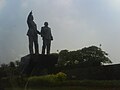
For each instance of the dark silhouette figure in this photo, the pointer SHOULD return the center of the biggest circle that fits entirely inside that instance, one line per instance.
(47, 37)
(32, 34)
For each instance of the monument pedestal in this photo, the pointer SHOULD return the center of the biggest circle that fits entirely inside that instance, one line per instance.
(38, 64)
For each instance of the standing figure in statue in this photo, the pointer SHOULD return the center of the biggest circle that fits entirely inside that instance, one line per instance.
(46, 37)
(32, 34)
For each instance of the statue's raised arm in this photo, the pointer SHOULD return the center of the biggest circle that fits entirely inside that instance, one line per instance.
(32, 34)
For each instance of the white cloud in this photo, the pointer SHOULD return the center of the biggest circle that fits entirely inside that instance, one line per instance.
(66, 3)
(115, 4)
(2, 4)
(24, 3)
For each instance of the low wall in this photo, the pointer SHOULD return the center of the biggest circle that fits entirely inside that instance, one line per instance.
(106, 72)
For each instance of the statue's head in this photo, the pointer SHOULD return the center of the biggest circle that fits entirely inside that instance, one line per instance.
(46, 23)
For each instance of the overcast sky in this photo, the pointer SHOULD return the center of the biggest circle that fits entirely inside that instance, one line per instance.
(75, 24)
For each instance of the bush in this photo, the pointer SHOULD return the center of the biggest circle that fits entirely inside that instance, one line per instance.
(61, 76)
(13, 81)
(47, 80)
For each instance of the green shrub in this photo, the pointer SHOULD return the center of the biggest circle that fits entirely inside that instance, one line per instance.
(61, 76)
(13, 81)
(47, 80)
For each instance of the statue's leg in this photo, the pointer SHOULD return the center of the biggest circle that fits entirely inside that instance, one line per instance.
(36, 45)
(30, 45)
(44, 46)
(48, 46)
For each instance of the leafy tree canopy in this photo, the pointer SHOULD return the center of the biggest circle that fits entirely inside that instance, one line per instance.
(89, 55)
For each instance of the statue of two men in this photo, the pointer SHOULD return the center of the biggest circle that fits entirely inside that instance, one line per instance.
(46, 37)
(33, 36)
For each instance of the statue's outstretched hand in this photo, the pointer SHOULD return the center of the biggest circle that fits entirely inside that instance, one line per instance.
(38, 32)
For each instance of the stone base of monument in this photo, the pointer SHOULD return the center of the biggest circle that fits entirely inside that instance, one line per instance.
(38, 64)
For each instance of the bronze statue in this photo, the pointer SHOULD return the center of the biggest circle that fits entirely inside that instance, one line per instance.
(46, 37)
(32, 34)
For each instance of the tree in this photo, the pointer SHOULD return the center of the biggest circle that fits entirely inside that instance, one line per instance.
(12, 64)
(95, 55)
(62, 59)
(17, 63)
(10, 69)
(92, 55)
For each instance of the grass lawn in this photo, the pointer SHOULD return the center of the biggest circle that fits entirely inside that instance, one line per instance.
(76, 88)
(77, 85)
(68, 88)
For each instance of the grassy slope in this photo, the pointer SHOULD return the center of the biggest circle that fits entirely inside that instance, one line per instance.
(80, 85)
(68, 88)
